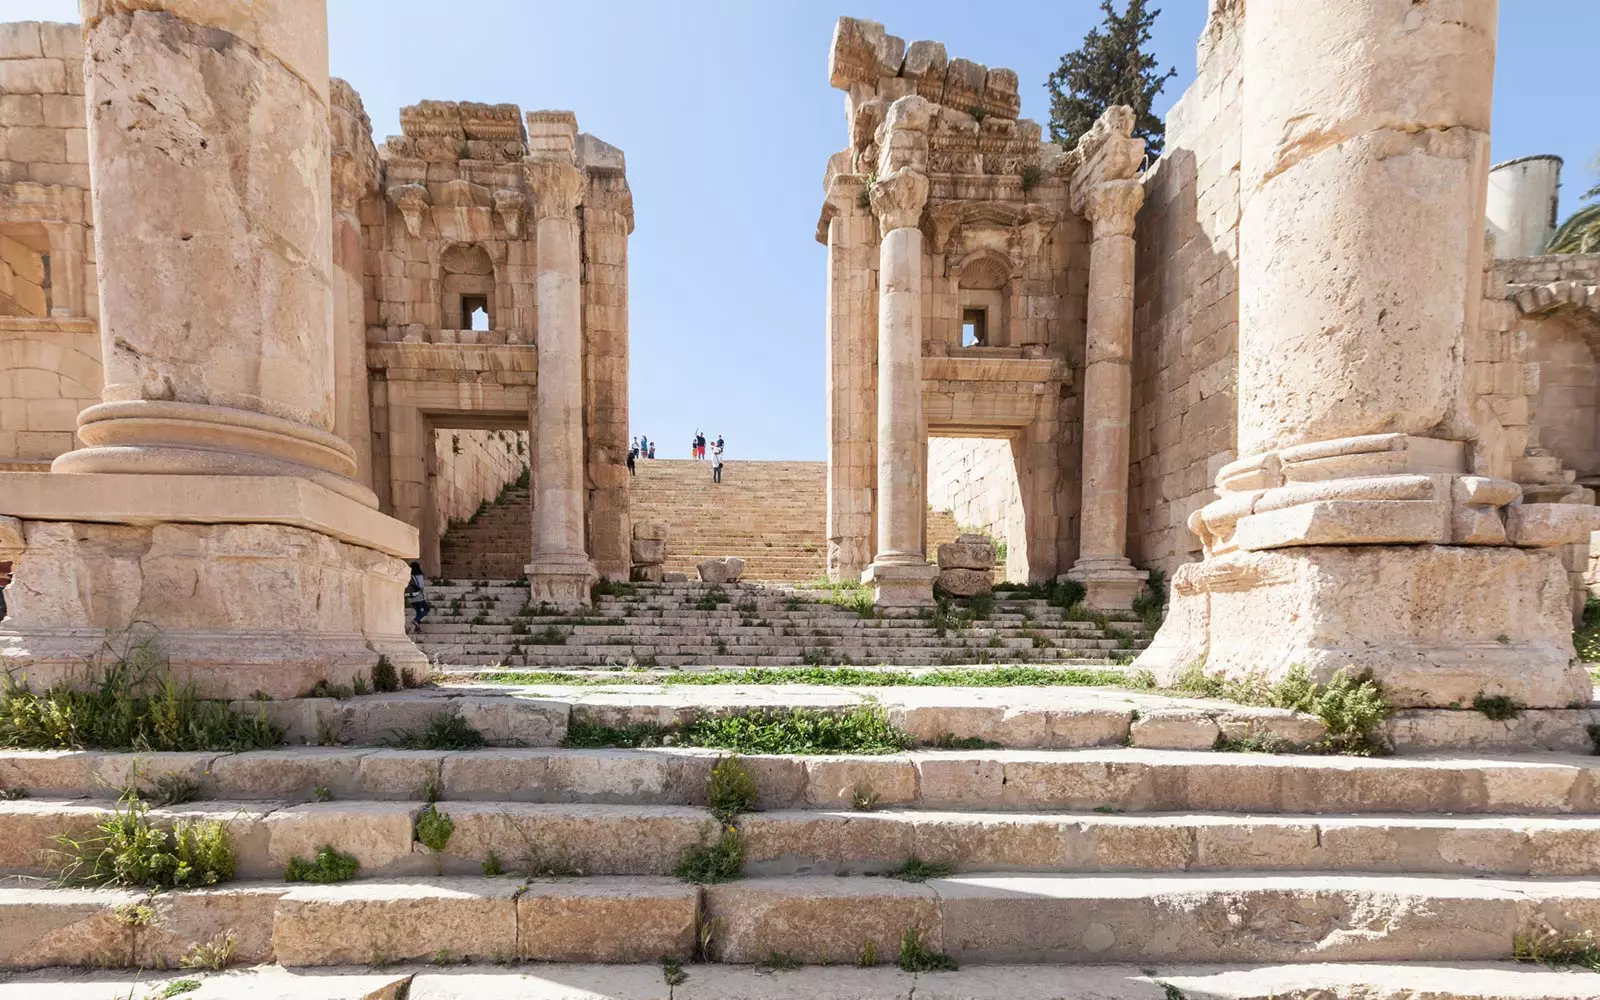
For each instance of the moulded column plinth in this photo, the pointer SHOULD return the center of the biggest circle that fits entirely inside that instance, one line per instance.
(1110, 583)
(901, 585)
(245, 584)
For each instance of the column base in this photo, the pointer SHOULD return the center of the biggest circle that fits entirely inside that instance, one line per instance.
(1436, 625)
(560, 581)
(901, 585)
(1109, 584)
(236, 608)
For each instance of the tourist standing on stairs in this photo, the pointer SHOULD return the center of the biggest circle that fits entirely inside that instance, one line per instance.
(716, 462)
(652, 450)
(633, 455)
(416, 593)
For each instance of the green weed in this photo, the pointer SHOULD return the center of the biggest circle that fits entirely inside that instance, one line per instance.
(913, 870)
(445, 731)
(916, 956)
(716, 861)
(385, 678)
(732, 789)
(1555, 951)
(1498, 707)
(130, 851)
(330, 865)
(215, 954)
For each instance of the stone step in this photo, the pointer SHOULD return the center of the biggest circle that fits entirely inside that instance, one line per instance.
(1322, 981)
(364, 922)
(1137, 781)
(600, 839)
(1138, 919)
(974, 918)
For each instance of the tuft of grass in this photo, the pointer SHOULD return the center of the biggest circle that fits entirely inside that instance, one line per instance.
(1499, 707)
(868, 955)
(215, 954)
(849, 676)
(445, 731)
(863, 797)
(950, 741)
(607, 587)
(12, 794)
(434, 829)
(174, 790)
(914, 870)
(585, 734)
(548, 636)
(672, 971)
(492, 865)
(865, 729)
(130, 851)
(178, 987)
(1556, 951)
(1351, 704)
(916, 956)
(330, 865)
(385, 678)
(732, 789)
(322, 793)
(716, 861)
(326, 689)
(133, 703)
(778, 961)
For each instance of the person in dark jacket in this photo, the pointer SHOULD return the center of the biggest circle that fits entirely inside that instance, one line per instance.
(417, 593)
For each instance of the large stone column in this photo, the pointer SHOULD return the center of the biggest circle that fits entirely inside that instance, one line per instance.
(213, 503)
(900, 572)
(208, 136)
(1352, 531)
(1103, 567)
(851, 235)
(561, 571)
(355, 177)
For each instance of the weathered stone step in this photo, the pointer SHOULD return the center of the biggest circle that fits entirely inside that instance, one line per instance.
(598, 839)
(362, 922)
(1328, 981)
(992, 780)
(1137, 919)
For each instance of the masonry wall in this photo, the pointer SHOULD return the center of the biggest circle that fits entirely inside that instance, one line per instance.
(1186, 306)
(473, 466)
(49, 342)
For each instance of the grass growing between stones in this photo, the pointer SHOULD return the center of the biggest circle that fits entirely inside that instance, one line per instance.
(330, 865)
(445, 731)
(732, 789)
(1351, 704)
(130, 851)
(1557, 952)
(1499, 707)
(1586, 637)
(434, 829)
(136, 704)
(915, 870)
(1008, 676)
(721, 860)
(916, 956)
(863, 730)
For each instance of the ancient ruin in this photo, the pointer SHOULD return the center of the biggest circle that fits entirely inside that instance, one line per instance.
(1309, 365)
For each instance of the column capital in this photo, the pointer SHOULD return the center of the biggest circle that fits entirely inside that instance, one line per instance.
(1113, 205)
(558, 186)
(898, 198)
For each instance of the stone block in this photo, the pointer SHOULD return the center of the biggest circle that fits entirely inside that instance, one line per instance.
(607, 920)
(588, 839)
(20, 40)
(648, 551)
(965, 582)
(33, 76)
(818, 920)
(376, 923)
(379, 834)
(968, 551)
(650, 530)
(203, 916)
(516, 721)
(726, 569)
(1174, 729)
(832, 783)
(45, 927)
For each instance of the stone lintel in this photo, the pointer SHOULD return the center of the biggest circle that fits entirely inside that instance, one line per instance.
(153, 499)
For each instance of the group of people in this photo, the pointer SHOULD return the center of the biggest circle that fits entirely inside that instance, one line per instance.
(639, 447)
(697, 448)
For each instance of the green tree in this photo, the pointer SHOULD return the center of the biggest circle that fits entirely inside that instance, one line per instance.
(1110, 68)
(1581, 232)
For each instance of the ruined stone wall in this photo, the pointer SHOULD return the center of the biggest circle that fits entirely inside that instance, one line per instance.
(473, 466)
(976, 481)
(49, 343)
(1186, 318)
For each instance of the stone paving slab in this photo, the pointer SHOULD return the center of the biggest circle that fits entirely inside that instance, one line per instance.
(1331, 981)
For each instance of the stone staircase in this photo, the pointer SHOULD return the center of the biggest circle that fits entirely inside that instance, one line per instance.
(772, 514)
(1153, 874)
(494, 545)
(694, 625)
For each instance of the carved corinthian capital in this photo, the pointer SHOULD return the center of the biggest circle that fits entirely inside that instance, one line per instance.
(898, 198)
(557, 186)
(1112, 206)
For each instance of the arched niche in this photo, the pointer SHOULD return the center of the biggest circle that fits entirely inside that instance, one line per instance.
(983, 286)
(467, 287)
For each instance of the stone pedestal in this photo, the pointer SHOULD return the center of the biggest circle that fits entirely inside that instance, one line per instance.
(213, 504)
(1352, 531)
(900, 571)
(561, 572)
(1111, 581)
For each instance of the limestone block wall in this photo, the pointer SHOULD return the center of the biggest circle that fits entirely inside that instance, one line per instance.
(1186, 306)
(49, 344)
(976, 481)
(473, 466)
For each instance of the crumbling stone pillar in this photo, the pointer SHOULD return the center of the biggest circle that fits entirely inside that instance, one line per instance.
(208, 135)
(561, 571)
(1352, 531)
(213, 503)
(1103, 567)
(900, 572)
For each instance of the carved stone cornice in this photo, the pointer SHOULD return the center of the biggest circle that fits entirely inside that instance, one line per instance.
(898, 199)
(1112, 206)
(411, 200)
(557, 184)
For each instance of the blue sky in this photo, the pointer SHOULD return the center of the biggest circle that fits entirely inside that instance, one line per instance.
(727, 120)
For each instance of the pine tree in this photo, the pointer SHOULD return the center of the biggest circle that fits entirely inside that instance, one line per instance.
(1110, 68)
